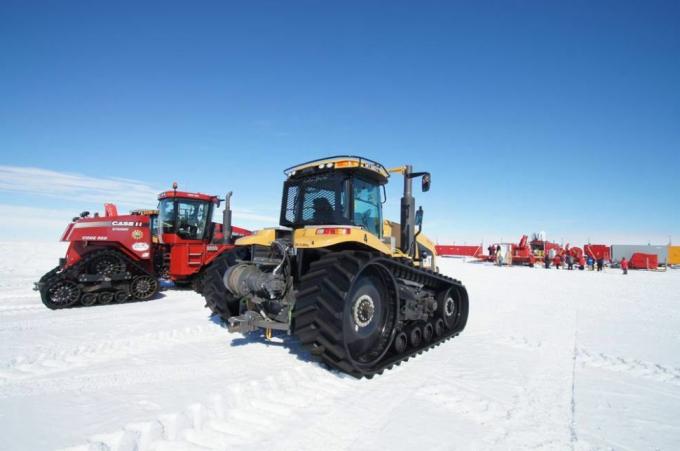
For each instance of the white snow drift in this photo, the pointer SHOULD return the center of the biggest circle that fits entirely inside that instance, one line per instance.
(550, 359)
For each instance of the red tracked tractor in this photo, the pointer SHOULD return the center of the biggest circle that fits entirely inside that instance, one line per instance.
(118, 258)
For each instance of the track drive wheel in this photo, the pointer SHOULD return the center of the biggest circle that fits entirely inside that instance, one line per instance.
(217, 298)
(107, 264)
(345, 313)
(61, 294)
(144, 287)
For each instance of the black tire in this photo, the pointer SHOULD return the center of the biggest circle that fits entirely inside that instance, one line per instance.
(217, 298)
(120, 296)
(144, 287)
(60, 293)
(345, 313)
(88, 299)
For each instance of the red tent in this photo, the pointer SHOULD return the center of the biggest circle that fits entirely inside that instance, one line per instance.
(643, 261)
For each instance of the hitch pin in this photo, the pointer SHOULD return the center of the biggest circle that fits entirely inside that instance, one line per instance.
(268, 333)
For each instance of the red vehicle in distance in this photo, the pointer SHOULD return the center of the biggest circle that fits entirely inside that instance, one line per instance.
(119, 258)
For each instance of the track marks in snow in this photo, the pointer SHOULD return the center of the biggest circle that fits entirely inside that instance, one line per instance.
(466, 403)
(634, 367)
(58, 360)
(521, 343)
(7, 310)
(260, 408)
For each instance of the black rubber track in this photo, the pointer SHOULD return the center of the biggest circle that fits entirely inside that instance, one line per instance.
(73, 273)
(319, 308)
(217, 298)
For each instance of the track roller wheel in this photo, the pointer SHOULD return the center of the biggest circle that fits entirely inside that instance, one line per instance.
(439, 327)
(120, 296)
(400, 343)
(144, 287)
(61, 294)
(88, 299)
(428, 332)
(415, 337)
(107, 264)
(105, 297)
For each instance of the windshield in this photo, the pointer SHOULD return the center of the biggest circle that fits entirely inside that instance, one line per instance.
(317, 200)
(184, 217)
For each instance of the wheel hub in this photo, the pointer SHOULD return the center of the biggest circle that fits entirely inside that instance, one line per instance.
(63, 293)
(449, 307)
(363, 310)
(108, 266)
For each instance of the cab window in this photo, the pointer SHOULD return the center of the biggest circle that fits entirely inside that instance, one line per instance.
(367, 206)
(192, 217)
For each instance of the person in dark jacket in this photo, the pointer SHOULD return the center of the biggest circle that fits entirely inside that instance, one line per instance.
(570, 262)
(546, 260)
(600, 264)
(624, 265)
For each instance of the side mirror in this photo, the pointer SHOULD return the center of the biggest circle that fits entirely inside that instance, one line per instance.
(426, 182)
(419, 217)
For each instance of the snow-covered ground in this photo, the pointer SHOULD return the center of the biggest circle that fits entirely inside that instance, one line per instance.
(550, 359)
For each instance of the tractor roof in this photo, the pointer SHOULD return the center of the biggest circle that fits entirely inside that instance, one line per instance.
(185, 195)
(144, 212)
(339, 162)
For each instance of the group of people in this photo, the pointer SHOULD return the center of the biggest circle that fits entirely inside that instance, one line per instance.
(568, 261)
(560, 260)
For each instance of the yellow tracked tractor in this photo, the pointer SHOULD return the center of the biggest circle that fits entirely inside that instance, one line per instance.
(360, 293)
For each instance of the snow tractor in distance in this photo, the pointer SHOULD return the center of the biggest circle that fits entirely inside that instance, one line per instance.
(119, 258)
(359, 292)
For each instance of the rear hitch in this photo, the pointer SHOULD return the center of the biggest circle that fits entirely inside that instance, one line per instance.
(250, 321)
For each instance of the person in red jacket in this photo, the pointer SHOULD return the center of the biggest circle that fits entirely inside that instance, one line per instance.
(624, 265)
(557, 261)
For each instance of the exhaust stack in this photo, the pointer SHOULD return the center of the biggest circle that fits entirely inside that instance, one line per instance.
(227, 229)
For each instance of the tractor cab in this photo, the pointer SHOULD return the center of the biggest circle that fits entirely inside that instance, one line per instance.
(335, 191)
(340, 199)
(185, 217)
(185, 229)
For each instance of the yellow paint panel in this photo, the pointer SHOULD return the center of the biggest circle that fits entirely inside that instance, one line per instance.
(262, 237)
(674, 255)
(308, 238)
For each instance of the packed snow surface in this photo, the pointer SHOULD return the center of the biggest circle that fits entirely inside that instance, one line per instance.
(550, 359)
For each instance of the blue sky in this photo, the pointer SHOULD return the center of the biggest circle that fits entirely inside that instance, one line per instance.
(562, 117)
